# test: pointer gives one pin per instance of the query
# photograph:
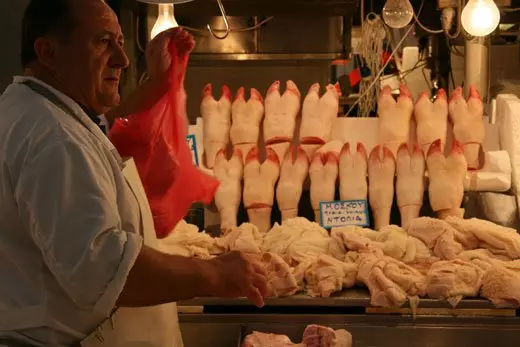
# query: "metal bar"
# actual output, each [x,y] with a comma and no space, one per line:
[265,56]
[476,65]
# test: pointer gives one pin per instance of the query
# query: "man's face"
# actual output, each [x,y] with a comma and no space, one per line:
[91,59]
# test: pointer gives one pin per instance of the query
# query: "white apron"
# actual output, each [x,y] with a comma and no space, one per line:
[156,326]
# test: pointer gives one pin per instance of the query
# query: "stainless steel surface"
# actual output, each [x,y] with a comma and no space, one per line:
[476,65]
[224,19]
[201,330]
[194,58]
[348,298]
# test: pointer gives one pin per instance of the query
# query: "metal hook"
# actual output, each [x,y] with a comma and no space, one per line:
[226,24]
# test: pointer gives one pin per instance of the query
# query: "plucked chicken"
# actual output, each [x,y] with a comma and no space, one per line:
[410,182]
[259,339]
[446,179]
[353,167]
[246,117]
[320,336]
[318,116]
[217,122]
[431,119]
[293,172]
[381,172]
[451,280]
[467,117]
[229,193]
[323,174]
[280,117]
[259,182]
[394,117]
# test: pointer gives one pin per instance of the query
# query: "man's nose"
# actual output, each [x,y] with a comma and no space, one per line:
[119,58]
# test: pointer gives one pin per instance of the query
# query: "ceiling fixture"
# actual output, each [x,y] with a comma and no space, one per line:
[397,13]
[480,17]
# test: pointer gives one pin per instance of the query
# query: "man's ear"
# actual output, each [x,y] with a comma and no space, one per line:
[47,51]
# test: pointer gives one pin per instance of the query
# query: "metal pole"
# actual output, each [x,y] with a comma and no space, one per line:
[476,65]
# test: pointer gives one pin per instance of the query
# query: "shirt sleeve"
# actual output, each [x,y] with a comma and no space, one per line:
[67,198]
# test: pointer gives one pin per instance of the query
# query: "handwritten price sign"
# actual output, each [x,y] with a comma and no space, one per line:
[192,144]
[346,212]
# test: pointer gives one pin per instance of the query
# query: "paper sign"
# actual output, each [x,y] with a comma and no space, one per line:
[192,144]
[345,212]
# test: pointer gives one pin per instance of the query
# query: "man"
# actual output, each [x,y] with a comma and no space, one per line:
[70,236]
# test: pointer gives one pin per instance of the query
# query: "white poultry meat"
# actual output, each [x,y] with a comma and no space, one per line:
[410,182]
[293,172]
[217,122]
[320,336]
[327,275]
[381,172]
[451,280]
[431,119]
[259,182]
[280,117]
[437,235]
[467,117]
[501,284]
[323,174]
[446,179]
[229,193]
[394,117]
[246,117]
[353,168]
[318,116]
[280,277]
[259,339]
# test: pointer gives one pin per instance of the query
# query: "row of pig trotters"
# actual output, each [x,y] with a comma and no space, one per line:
[393,132]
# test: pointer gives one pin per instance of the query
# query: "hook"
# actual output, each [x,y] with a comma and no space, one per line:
[226,24]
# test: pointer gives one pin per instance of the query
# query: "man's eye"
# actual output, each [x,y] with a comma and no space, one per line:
[105,41]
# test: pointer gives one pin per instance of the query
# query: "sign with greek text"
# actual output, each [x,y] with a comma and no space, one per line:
[345,212]
[192,144]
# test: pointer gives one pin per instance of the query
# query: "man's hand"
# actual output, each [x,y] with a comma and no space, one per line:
[158,58]
[237,275]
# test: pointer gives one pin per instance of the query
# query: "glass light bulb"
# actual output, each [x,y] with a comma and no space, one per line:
[397,13]
[480,17]
[165,20]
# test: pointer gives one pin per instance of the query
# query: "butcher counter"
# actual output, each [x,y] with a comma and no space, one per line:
[219,322]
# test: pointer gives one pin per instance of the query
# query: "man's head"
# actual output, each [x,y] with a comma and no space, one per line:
[78,48]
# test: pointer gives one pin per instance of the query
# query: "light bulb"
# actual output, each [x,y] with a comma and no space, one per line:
[165,20]
[397,13]
[480,17]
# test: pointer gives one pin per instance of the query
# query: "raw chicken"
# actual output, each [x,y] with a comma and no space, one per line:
[498,239]
[394,118]
[318,116]
[410,182]
[446,179]
[246,116]
[280,278]
[323,174]
[280,117]
[501,284]
[451,280]
[258,339]
[353,168]
[229,193]
[381,172]
[299,239]
[245,238]
[187,241]
[217,121]
[432,120]
[467,117]
[389,281]
[437,235]
[294,170]
[320,336]
[482,258]
[328,275]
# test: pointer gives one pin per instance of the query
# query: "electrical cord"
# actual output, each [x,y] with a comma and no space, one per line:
[376,78]
[241,30]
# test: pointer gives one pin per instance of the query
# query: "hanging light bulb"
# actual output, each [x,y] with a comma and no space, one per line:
[165,20]
[397,13]
[480,17]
